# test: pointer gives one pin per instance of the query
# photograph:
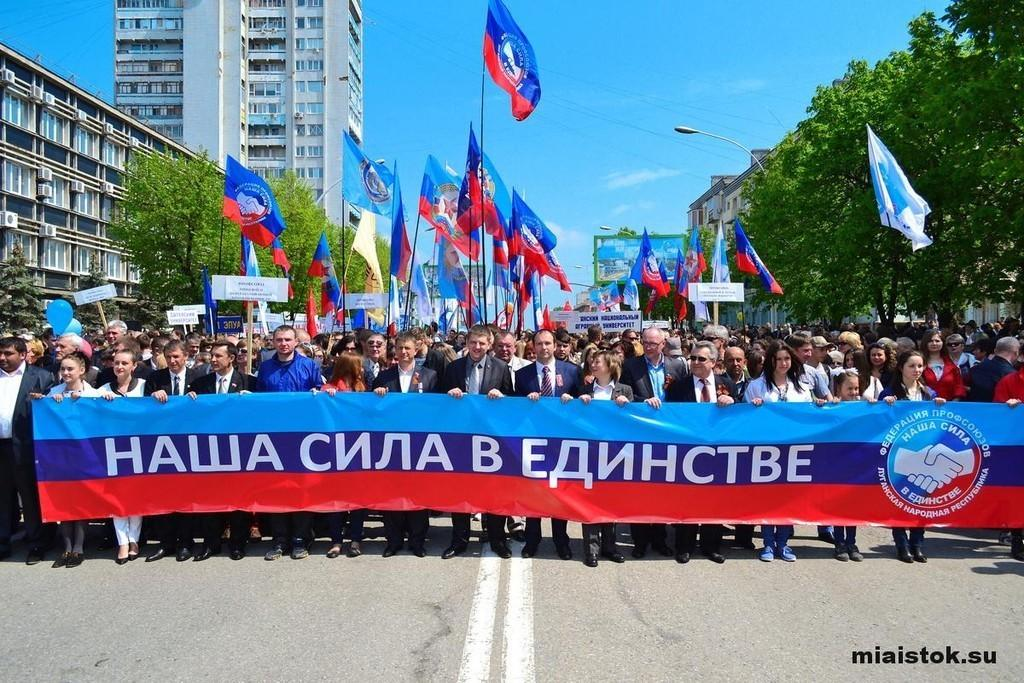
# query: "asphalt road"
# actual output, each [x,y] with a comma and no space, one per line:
[477,618]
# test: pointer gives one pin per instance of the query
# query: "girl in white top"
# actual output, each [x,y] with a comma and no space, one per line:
[126,529]
[72,371]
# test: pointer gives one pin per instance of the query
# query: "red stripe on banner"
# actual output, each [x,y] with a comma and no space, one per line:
[993,507]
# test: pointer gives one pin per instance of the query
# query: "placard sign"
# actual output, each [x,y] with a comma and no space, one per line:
[716,291]
[182,317]
[242,288]
[91,296]
[610,321]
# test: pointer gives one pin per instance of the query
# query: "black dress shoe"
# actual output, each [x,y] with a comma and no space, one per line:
[184,555]
[75,560]
[638,552]
[61,561]
[918,555]
[158,555]
[564,553]
[120,560]
[237,554]
[717,558]
[528,551]
[501,550]
[590,560]
[35,556]
[391,550]
[354,550]
[662,548]
[4,554]
[453,550]
[904,555]
[203,554]
[615,557]
[682,558]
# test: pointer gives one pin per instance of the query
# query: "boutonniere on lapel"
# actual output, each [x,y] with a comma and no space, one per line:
[668,381]
[558,380]
[415,378]
[721,389]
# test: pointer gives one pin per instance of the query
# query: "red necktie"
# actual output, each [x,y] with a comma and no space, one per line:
[705,392]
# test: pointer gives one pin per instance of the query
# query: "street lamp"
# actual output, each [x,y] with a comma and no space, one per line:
[686,130]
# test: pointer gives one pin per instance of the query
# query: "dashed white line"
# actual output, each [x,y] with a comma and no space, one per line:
[476,653]
[517,652]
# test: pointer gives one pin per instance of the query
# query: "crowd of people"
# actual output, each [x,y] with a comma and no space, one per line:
[756,365]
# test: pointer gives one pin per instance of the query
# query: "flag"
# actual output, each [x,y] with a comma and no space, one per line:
[476,206]
[546,320]
[556,272]
[439,203]
[694,266]
[631,294]
[501,265]
[647,269]
[418,287]
[748,261]
[719,258]
[401,250]
[608,298]
[510,60]
[394,300]
[281,261]
[364,244]
[211,306]
[366,183]
[322,266]
[680,285]
[250,267]
[899,206]
[311,315]
[533,239]
[249,202]
[452,282]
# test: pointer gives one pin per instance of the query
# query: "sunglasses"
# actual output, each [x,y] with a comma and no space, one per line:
[955,344]
[699,359]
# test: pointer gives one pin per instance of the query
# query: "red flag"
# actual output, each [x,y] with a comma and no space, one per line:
[546,320]
[312,326]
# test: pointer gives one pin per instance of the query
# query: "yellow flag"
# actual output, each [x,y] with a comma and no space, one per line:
[365,245]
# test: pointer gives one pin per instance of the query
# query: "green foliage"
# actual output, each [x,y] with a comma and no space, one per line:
[20,307]
[950,109]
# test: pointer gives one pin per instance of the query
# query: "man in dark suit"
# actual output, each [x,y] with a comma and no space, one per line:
[735,361]
[406,378]
[480,374]
[175,529]
[547,377]
[375,356]
[701,386]
[984,376]
[20,383]
[224,379]
[649,376]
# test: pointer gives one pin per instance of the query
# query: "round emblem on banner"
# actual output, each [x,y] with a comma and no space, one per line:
[512,57]
[254,203]
[531,239]
[934,462]
[376,188]
[651,266]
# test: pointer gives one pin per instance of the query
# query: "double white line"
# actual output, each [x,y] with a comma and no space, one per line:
[517,644]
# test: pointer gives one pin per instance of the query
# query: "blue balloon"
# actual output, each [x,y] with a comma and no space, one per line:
[74,327]
[59,315]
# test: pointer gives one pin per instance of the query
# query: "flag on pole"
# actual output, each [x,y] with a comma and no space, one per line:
[556,272]
[249,202]
[899,206]
[694,266]
[719,257]
[251,268]
[439,204]
[211,305]
[418,288]
[473,205]
[749,262]
[322,266]
[452,281]
[366,183]
[533,239]
[647,269]
[631,294]
[680,285]
[401,250]
[364,244]
[312,317]
[394,300]
[510,60]
[546,323]
[281,261]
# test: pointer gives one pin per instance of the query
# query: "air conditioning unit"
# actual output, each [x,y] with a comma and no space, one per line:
[49,100]
[43,174]
[9,76]
[135,143]
[10,219]
[37,93]
[47,231]
[108,129]
[77,186]
[108,188]
[44,190]
[299,116]
[82,116]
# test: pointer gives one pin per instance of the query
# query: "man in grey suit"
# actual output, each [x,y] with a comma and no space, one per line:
[477,373]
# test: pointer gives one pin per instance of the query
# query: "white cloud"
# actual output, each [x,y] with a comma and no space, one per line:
[570,238]
[641,205]
[620,179]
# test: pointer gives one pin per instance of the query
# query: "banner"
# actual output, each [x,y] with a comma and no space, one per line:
[609,321]
[910,464]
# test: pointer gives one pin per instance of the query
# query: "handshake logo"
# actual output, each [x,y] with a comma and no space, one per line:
[933,467]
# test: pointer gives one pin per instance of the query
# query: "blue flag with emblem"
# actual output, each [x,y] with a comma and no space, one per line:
[366,183]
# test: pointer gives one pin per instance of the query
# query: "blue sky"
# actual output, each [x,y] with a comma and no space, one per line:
[616,78]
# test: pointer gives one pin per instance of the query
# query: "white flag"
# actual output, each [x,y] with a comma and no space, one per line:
[899,206]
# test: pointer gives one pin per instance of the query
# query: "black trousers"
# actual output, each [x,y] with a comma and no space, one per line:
[336,525]
[211,528]
[599,538]
[710,538]
[495,528]
[18,478]
[295,528]
[743,533]
[176,530]
[648,534]
[415,523]
[559,533]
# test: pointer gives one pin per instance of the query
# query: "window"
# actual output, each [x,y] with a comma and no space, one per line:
[315,151]
[112,265]
[309,22]
[312,173]
[28,245]
[52,127]
[300,129]
[55,254]
[85,255]
[309,107]
[16,110]
[309,43]
[87,142]
[86,202]
[17,179]
[60,193]
[309,65]
[113,154]
[313,86]
[316,129]
[264,107]
[261,89]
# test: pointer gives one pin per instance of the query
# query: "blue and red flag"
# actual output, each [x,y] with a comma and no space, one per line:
[533,239]
[476,200]
[680,285]
[501,265]
[439,202]
[510,60]
[366,183]
[249,202]
[556,272]
[401,251]
[282,262]
[322,266]
[647,270]
[749,262]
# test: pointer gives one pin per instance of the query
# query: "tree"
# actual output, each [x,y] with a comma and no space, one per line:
[89,314]
[20,308]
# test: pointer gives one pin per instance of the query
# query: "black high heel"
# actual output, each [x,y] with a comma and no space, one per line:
[121,560]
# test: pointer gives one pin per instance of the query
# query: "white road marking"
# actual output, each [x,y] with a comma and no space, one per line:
[476,653]
[517,652]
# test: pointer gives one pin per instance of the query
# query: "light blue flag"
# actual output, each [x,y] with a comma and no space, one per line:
[366,184]
[719,258]
[418,287]
[899,206]
[631,294]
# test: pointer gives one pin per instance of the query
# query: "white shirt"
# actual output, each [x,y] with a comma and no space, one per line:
[10,385]
[405,378]
[551,376]
[769,393]
[182,387]
[223,383]
[137,392]
[698,388]
[603,393]
[86,390]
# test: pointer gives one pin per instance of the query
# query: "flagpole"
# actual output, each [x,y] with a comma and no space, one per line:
[387,316]
[344,266]
[483,234]
[415,238]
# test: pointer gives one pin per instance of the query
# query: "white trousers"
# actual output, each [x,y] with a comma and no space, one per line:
[127,529]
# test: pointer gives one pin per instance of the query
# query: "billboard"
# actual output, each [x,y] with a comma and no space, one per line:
[614,255]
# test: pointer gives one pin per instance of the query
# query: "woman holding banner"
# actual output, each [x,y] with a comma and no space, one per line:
[347,376]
